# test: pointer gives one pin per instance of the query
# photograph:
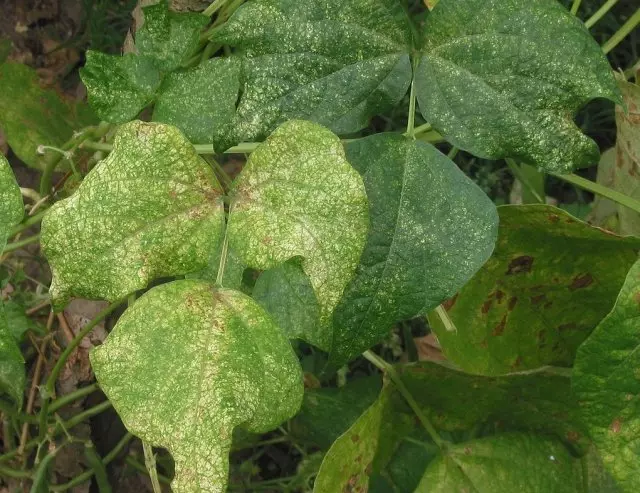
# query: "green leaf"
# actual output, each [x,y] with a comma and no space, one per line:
[234,269]
[12,373]
[606,381]
[169,37]
[199,100]
[460,406]
[119,87]
[549,282]
[502,79]
[336,63]
[152,208]
[503,464]
[31,116]
[17,320]
[208,360]
[287,294]
[432,228]
[298,196]
[327,413]
[597,478]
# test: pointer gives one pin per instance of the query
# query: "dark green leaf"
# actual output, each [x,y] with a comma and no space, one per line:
[551,279]
[606,380]
[431,229]
[31,116]
[287,294]
[503,79]
[199,100]
[333,62]
[17,320]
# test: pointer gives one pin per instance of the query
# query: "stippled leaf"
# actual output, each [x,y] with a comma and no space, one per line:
[298,196]
[606,382]
[287,294]
[208,361]
[168,37]
[152,208]
[119,87]
[549,282]
[31,116]
[460,406]
[502,79]
[503,464]
[199,100]
[431,229]
[12,375]
[333,62]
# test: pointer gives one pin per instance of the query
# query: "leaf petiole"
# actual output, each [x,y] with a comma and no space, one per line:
[600,13]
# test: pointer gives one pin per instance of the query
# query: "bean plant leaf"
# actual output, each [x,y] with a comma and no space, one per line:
[119,87]
[298,196]
[209,360]
[336,63]
[549,282]
[460,406]
[432,228]
[152,208]
[12,374]
[606,382]
[169,37]
[31,116]
[287,294]
[508,85]
[502,464]
[199,100]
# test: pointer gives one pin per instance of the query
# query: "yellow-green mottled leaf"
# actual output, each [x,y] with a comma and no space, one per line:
[189,362]
[606,381]
[549,282]
[31,116]
[298,196]
[11,206]
[504,79]
[152,208]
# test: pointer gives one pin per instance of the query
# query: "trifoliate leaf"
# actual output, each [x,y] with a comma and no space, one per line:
[549,282]
[169,37]
[11,206]
[31,116]
[199,100]
[119,87]
[189,362]
[503,464]
[298,196]
[336,63]
[606,381]
[152,208]
[287,294]
[503,79]
[432,228]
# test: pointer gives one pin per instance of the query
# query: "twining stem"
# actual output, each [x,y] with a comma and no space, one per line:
[596,188]
[600,13]
[575,6]
[621,33]
[150,462]
[399,384]
[17,245]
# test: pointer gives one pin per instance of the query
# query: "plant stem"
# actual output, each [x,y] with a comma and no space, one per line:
[223,253]
[21,243]
[596,188]
[518,175]
[412,107]
[600,13]
[150,462]
[139,467]
[72,397]
[425,127]
[399,384]
[29,221]
[621,33]
[14,473]
[214,7]
[575,6]
[446,319]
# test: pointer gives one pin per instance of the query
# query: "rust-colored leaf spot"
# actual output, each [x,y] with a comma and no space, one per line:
[267,240]
[355,438]
[636,297]
[554,218]
[537,299]
[517,363]
[467,450]
[548,305]
[369,469]
[616,424]
[499,329]
[581,281]
[448,305]
[512,303]
[484,344]
[573,436]
[520,264]
[499,296]
[569,326]
[486,306]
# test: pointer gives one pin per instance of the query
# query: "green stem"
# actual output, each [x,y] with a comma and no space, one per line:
[518,175]
[575,6]
[14,473]
[214,7]
[411,119]
[600,13]
[21,243]
[425,127]
[596,188]
[399,384]
[72,397]
[621,33]
[139,467]
[150,462]
[223,253]
[27,223]
[97,465]
[445,319]
[453,153]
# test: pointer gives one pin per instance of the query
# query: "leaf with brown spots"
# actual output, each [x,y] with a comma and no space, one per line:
[607,384]
[544,289]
